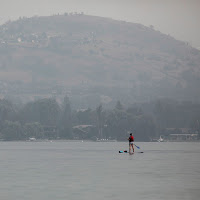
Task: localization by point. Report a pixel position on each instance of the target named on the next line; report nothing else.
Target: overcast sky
(179, 18)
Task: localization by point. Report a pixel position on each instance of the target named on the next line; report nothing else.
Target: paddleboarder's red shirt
(131, 139)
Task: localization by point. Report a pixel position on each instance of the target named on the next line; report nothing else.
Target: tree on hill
(65, 125)
(44, 111)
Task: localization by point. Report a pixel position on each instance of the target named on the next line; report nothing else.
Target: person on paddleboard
(131, 142)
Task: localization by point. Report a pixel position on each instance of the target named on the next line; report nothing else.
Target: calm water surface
(96, 171)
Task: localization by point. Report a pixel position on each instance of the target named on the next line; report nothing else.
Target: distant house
(181, 134)
(179, 130)
(183, 137)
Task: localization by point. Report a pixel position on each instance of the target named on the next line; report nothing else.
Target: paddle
(137, 146)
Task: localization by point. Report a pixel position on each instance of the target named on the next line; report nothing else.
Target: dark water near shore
(96, 171)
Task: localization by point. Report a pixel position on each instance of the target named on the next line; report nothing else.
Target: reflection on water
(95, 170)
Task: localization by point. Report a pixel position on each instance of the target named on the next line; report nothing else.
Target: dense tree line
(46, 119)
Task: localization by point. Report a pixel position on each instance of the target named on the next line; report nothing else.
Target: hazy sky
(179, 18)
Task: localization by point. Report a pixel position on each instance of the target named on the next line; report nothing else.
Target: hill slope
(128, 59)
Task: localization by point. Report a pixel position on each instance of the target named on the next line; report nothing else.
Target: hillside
(113, 58)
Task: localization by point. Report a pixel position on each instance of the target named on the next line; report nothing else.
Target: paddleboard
(130, 153)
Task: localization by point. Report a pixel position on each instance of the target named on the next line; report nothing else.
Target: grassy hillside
(75, 50)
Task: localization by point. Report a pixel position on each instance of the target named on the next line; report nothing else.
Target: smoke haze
(178, 18)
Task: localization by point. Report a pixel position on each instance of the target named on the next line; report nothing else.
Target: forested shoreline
(47, 119)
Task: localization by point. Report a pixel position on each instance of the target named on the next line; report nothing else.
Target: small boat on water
(32, 139)
(161, 139)
(105, 140)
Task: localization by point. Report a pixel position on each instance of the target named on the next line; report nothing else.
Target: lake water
(61, 170)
